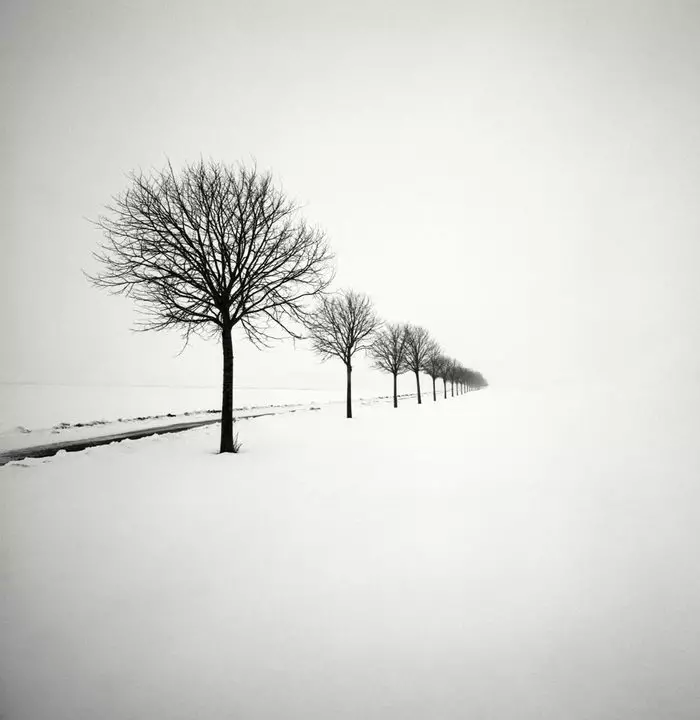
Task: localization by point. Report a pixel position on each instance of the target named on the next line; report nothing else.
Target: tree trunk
(434, 395)
(444, 385)
(396, 400)
(348, 398)
(226, 445)
(452, 385)
(418, 387)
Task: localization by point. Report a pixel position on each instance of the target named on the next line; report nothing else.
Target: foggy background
(520, 178)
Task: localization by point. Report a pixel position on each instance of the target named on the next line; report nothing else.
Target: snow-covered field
(20, 437)
(504, 556)
(39, 407)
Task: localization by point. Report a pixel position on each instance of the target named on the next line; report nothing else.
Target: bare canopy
(388, 352)
(342, 325)
(433, 365)
(418, 347)
(210, 248)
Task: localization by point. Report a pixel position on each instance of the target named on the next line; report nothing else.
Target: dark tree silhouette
(433, 365)
(459, 377)
(442, 374)
(473, 380)
(418, 345)
(210, 248)
(466, 379)
(388, 352)
(452, 365)
(342, 325)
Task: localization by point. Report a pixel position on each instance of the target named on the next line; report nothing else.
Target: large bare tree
(418, 346)
(433, 365)
(388, 352)
(210, 248)
(342, 325)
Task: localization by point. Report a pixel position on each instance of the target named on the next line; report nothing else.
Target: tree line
(346, 323)
(216, 246)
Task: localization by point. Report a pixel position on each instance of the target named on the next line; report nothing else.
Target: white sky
(520, 177)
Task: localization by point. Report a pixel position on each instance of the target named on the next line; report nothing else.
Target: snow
(496, 555)
(20, 437)
(41, 406)
(36, 407)
(42, 403)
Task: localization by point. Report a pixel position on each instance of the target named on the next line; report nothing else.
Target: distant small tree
(452, 365)
(474, 380)
(342, 325)
(433, 364)
(418, 345)
(444, 372)
(388, 352)
(467, 379)
(210, 248)
(459, 378)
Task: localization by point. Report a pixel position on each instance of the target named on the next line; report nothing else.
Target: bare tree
(418, 345)
(433, 364)
(444, 372)
(388, 352)
(342, 325)
(473, 380)
(210, 248)
(452, 365)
